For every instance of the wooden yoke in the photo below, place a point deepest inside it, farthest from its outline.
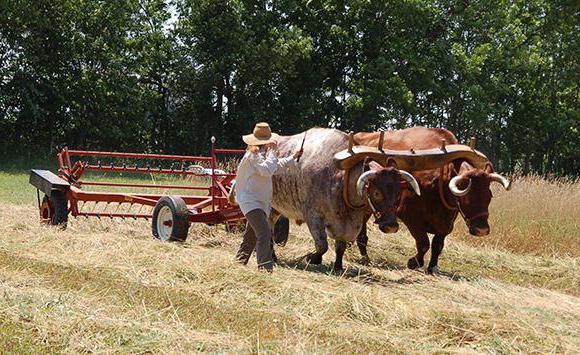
(381, 140)
(350, 142)
(411, 160)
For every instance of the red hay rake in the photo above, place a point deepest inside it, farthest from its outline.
(171, 215)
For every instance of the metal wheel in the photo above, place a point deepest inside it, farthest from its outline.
(54, 210)
(170, 222)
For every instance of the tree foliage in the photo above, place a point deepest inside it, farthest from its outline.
(154, 75)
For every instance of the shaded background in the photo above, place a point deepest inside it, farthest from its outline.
(164, 76)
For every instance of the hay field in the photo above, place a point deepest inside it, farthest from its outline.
(103, 286)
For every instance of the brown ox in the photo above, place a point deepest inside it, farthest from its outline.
(464, 190)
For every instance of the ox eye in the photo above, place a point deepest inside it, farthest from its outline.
(377, 195)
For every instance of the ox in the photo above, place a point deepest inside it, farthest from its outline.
(313, 192)
(457, 188)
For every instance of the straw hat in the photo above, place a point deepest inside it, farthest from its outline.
(262, 135)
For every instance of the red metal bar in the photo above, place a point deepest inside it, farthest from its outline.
(61, 164)
(137, 155)
(222, 189)
(120, 169)
(66, 157)
(79, 195)
(144, 199)
(151, 171)
(119, 184)
(213, 167)
(112, 215)
(216, 217)
(207, 217)
(202, 204)
(234, 151)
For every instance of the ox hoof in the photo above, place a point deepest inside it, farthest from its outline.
(338, 269)
(314, 259)
(433, 270)
(413, 263)
(365, 260)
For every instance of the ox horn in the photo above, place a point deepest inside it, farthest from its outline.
(362, 181)
(495, 177)
(455, 190)
(411, 180)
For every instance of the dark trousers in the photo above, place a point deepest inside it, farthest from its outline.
(258, 235)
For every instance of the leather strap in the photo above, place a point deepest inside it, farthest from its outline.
(345, 185)
(442, 175)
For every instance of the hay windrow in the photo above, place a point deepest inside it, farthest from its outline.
(107, 286)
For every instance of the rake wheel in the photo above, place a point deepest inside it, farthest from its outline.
(170, 222)
(54, 210)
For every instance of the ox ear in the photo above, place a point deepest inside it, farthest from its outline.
(391, 163)
(488, 168)
(465, 168)
(373, 165)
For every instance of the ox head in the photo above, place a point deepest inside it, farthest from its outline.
(381, 187)
(472, 189)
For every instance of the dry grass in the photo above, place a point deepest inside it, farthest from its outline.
(538, 217)
(108, 287)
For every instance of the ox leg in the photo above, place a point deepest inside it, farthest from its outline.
(436, 247)
(318, 231)
(422, 244)
(340, 248)
(362, 241)
(274, 218)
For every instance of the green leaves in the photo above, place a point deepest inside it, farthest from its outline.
(159, 75)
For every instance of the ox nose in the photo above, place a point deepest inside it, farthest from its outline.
(389, 227)
(480, 231)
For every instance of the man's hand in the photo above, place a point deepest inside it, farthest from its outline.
(298, 154)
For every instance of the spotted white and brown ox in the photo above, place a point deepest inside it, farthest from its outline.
(313, 192)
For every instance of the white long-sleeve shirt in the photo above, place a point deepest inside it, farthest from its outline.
(254, 179)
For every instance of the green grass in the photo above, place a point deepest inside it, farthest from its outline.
(15, 188)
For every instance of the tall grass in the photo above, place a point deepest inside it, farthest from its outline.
(537, 217)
